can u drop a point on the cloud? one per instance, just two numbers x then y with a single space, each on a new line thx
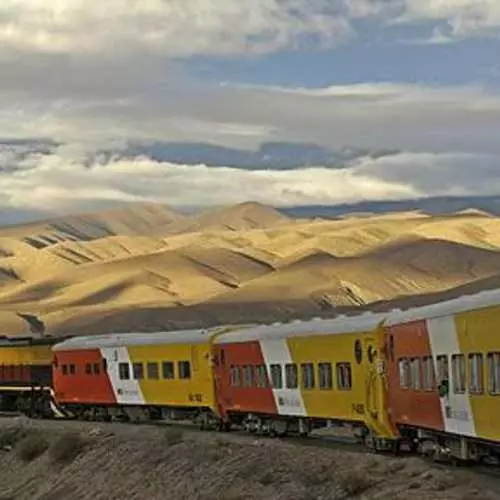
464 18
409 117
169 27
65 182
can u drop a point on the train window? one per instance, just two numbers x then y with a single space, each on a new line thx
476 380
184 369
307 373
458 370
247 375
88 369
56 362
344 378
325 375
64 369
138 371
105 364
443 370
97 368
234 376
415 369
404 373
291 376
276 376
261 376
494 372
168 370
72 369
152 369
427 374
123 371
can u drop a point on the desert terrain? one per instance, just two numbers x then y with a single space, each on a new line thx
148 267
42 460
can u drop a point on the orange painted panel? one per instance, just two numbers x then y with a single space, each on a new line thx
418 408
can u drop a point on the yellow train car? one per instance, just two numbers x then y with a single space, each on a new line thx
304 375
140 376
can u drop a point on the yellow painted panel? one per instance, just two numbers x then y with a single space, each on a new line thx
479 332
335 403
196 391
26 355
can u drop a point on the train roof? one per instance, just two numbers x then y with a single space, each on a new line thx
364 322
457 305
344 324
340 325
6 341
198 336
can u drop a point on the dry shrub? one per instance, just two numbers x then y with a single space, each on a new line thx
354 482
315 476
174 436
66 447
11 435
31 447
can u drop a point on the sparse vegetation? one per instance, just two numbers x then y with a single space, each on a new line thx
11 435
66 448
208 466
173 436
355 482
31 446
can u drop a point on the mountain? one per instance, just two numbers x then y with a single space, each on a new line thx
145 267
435 205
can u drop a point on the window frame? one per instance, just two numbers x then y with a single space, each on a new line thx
416 373
404 370
183 374
325 377
124 371
170 371
276 369
307 376
341 369
152 370
428 374
291 382
495 372
462 372
234 376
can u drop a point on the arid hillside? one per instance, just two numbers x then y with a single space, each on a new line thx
146 267
48 460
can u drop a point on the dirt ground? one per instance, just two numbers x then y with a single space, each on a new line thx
74 460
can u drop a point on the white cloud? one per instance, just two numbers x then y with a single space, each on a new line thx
464 17
170 27
63 182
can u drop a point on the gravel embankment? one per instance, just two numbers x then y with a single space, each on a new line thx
77 460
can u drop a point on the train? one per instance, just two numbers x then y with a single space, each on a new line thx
425 379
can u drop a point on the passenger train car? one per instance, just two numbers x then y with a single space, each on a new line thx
443 375
138 376
299 376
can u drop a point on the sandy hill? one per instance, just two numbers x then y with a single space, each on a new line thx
244 216
146 267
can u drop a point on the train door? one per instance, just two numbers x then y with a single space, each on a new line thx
377 418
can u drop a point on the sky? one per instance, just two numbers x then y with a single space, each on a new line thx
418 76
